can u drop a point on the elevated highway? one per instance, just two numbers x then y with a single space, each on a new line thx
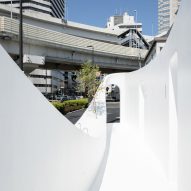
66 51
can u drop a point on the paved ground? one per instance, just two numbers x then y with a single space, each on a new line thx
74 116
112 113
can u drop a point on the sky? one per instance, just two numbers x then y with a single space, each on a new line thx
97 12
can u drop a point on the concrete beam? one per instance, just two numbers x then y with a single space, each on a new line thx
68 59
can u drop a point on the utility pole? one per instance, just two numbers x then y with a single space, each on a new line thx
21 36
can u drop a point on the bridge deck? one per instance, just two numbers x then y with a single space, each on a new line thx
11 26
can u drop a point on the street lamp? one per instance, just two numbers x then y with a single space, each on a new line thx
135 11
21 35
90 46
140 65
137 40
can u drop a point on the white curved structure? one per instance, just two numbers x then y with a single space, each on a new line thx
149 150
40 149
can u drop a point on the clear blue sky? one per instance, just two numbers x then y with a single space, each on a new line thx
96 12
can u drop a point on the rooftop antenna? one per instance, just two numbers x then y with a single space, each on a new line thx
152 29
120 11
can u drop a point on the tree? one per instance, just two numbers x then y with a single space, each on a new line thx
88 79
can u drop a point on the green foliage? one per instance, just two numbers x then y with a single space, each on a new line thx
70 105
87 79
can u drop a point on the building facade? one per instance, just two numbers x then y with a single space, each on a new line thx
55 8
129 30
167 10
58 8
124 21
50 82
157 44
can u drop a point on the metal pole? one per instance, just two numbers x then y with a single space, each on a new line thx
92 53
21 36
46 83
152 29
136 25
11 9
140 65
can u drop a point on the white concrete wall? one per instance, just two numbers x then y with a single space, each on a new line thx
40 149
151 147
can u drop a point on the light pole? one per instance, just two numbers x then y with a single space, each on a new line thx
140 65
90 46
137 40
21 35
11 9
135 11
46 83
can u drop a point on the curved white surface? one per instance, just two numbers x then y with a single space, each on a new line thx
150 149
39 148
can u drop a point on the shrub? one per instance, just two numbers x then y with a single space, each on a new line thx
70 105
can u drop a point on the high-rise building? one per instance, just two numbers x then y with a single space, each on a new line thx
167 10
56 8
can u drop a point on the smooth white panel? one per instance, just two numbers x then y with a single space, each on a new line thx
150 149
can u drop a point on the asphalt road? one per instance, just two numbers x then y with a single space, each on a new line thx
112 113
75 115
